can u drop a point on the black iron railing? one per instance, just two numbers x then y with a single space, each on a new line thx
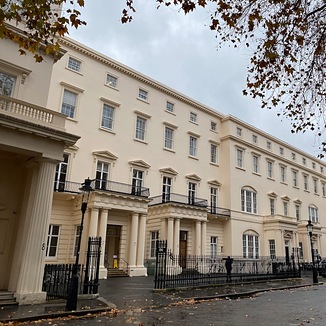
67 186
57 278
119 187
104 185
177 198
219 211
174 271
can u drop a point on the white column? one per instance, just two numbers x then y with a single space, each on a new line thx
203 237
176 242
141 240
30 275
197 241
102 233
170 233
133 239
93 222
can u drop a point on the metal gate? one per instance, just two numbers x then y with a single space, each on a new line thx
57 277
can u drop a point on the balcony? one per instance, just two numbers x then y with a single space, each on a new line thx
178 199
102 185
32 113
218 211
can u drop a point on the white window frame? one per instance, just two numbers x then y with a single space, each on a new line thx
111 80
239 131
213 126
272 206
270 174
13 80
74 64
248 201
154 237
323 188
52 238
315 183
166 188
70 109
102 174
297 212
213 200
61 173
141 126
143 94
214 246
239 158
285 208
306 182
268 145
168 138
193 117
254 139
137 181
192 190
313 214
214 155
169 107
272 248
107 120
255 163
283 173
295 178
250 244
193 146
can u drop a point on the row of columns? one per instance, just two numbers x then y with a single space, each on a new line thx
98 227
173 236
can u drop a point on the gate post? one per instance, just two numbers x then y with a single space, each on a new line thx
160 265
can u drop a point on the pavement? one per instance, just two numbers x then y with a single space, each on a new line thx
127 293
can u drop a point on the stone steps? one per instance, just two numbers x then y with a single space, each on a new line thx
115 272
7 299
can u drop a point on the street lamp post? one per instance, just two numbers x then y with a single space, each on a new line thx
314 271
73 290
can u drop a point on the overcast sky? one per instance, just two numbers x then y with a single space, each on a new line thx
181 52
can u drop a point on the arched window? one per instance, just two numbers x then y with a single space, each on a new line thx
248 200
250 240
313 213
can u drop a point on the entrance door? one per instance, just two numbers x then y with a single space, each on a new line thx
287 253
112 248
183 248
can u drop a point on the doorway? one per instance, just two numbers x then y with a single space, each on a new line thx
112 246
183 248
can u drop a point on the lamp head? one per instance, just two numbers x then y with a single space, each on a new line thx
309 226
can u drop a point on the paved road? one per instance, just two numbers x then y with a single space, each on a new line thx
297 307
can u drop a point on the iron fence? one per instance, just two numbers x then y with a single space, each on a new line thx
174 271
57 277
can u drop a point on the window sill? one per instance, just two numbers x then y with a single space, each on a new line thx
107 130
193 157
141 141
71 119
214 164
142 100
169 150
167 111
75 71
257 174
240 168
111 87
269 178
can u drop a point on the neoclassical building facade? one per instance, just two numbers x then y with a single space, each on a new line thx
168 167
163 165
